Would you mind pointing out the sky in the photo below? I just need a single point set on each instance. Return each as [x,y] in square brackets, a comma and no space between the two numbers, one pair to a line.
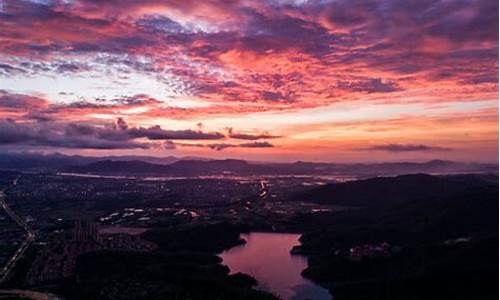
[276,80]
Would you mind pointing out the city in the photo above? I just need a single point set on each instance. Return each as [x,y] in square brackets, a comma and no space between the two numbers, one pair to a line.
[54,221]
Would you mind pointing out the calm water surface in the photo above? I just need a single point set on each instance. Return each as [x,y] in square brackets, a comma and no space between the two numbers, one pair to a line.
[267,258]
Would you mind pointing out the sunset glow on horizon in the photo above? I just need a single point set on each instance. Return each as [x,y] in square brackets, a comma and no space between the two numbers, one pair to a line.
[277,80]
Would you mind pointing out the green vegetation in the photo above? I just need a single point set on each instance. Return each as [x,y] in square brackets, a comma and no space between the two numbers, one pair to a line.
[212,238]
[185,267]
[442,244]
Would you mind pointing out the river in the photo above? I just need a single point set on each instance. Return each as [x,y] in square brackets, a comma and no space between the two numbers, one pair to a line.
[267,258]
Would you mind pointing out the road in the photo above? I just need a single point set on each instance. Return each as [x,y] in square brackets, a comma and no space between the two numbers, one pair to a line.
[261,199]
[29,233]
[263,190]
[28,294]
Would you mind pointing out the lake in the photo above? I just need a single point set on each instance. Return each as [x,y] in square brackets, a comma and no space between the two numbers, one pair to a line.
[267,258]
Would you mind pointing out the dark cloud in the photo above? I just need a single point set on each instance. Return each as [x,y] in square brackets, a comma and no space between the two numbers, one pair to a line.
[121,124]
[350,14]
[120,131]
[405,148]
[281,32]
[256,145]
[248,136]
[409,23]
[7,69]
[157,133]
[37,68]
[159,25]
[20,102]
[220,146]
[58,136]
[372,85]
[118,135]
[71,67]
[275,96]
[42,126]
[478,24]
[223,146]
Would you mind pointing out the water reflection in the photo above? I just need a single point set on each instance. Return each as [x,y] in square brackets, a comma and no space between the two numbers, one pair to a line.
[266,257]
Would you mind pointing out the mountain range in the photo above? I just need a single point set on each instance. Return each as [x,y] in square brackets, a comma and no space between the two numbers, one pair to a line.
[195,166]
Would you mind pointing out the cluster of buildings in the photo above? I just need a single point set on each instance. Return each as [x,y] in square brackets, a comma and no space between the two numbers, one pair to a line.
[57,260]
[144,216]
[360,252]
